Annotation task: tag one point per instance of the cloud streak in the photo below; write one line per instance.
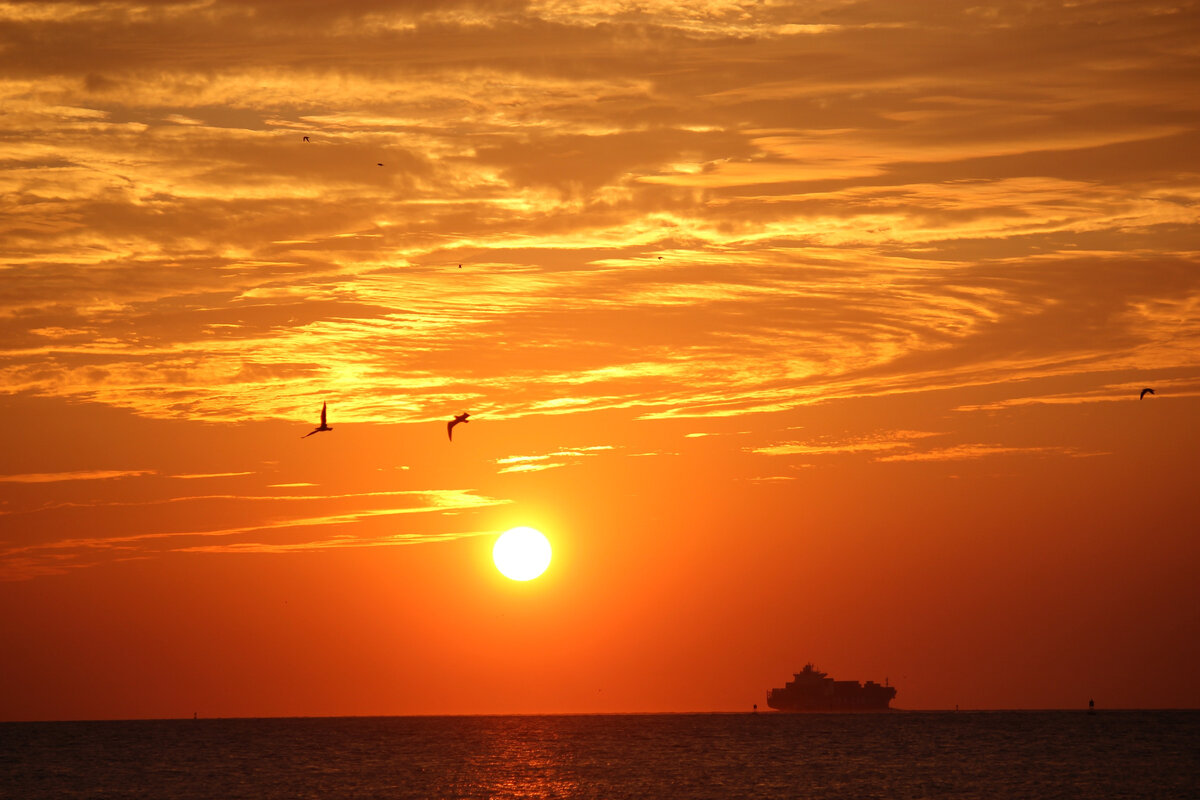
(965, 452)
(56, 554)
(79, 475)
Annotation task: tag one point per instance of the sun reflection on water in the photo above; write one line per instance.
(519, 760)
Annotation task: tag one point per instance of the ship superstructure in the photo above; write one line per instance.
(813, 690)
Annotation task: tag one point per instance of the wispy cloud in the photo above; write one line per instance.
(79, 475)
(891, 440)
(435, 498)
(193, 476)
(56, 555)
(334, 543)
(558, 458)
(963, 452)
(1112, 393)
(896, 446)
(533, 467)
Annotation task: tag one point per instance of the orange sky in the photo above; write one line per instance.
(806, 331)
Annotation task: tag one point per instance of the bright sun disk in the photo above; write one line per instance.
(521, 554)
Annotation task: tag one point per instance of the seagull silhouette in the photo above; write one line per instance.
(321, 427)
(450, 425)
(306, 138)
(1145, 392)
(379, 165)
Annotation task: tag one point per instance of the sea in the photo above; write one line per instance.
(896, 755)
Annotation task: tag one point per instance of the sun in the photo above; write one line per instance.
(521, 554)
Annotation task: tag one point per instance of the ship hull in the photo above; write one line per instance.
(817, 707)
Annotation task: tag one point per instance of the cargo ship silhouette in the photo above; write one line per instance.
(812, 690)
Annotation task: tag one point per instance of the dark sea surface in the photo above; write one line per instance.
(1000, 754)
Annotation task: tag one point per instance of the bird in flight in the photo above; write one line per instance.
(306, 138)
(1145, 392)
(379, 165)
(450, 425)
(321, 427)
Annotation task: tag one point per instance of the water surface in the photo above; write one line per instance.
(680, 756)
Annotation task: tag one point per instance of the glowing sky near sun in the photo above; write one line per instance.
(828, 315)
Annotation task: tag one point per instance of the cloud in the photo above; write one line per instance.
(80, 475)
(211, 475)
(532, 467)
(558, 458)
(1111, 393)
(849, 200)
(333, 543)
(898, 446)
(890, 440)
(37, 553)
(963, 452)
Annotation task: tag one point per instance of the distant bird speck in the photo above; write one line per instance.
(321, 427)
(450, 425)
(306, 138)
(379, 165)
(660, 258)
(1145, 392)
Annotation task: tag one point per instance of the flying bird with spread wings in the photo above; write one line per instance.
(450, 425)
(1145, 392)
(320, 428)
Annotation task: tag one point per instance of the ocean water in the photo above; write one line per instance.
(1114, 754)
